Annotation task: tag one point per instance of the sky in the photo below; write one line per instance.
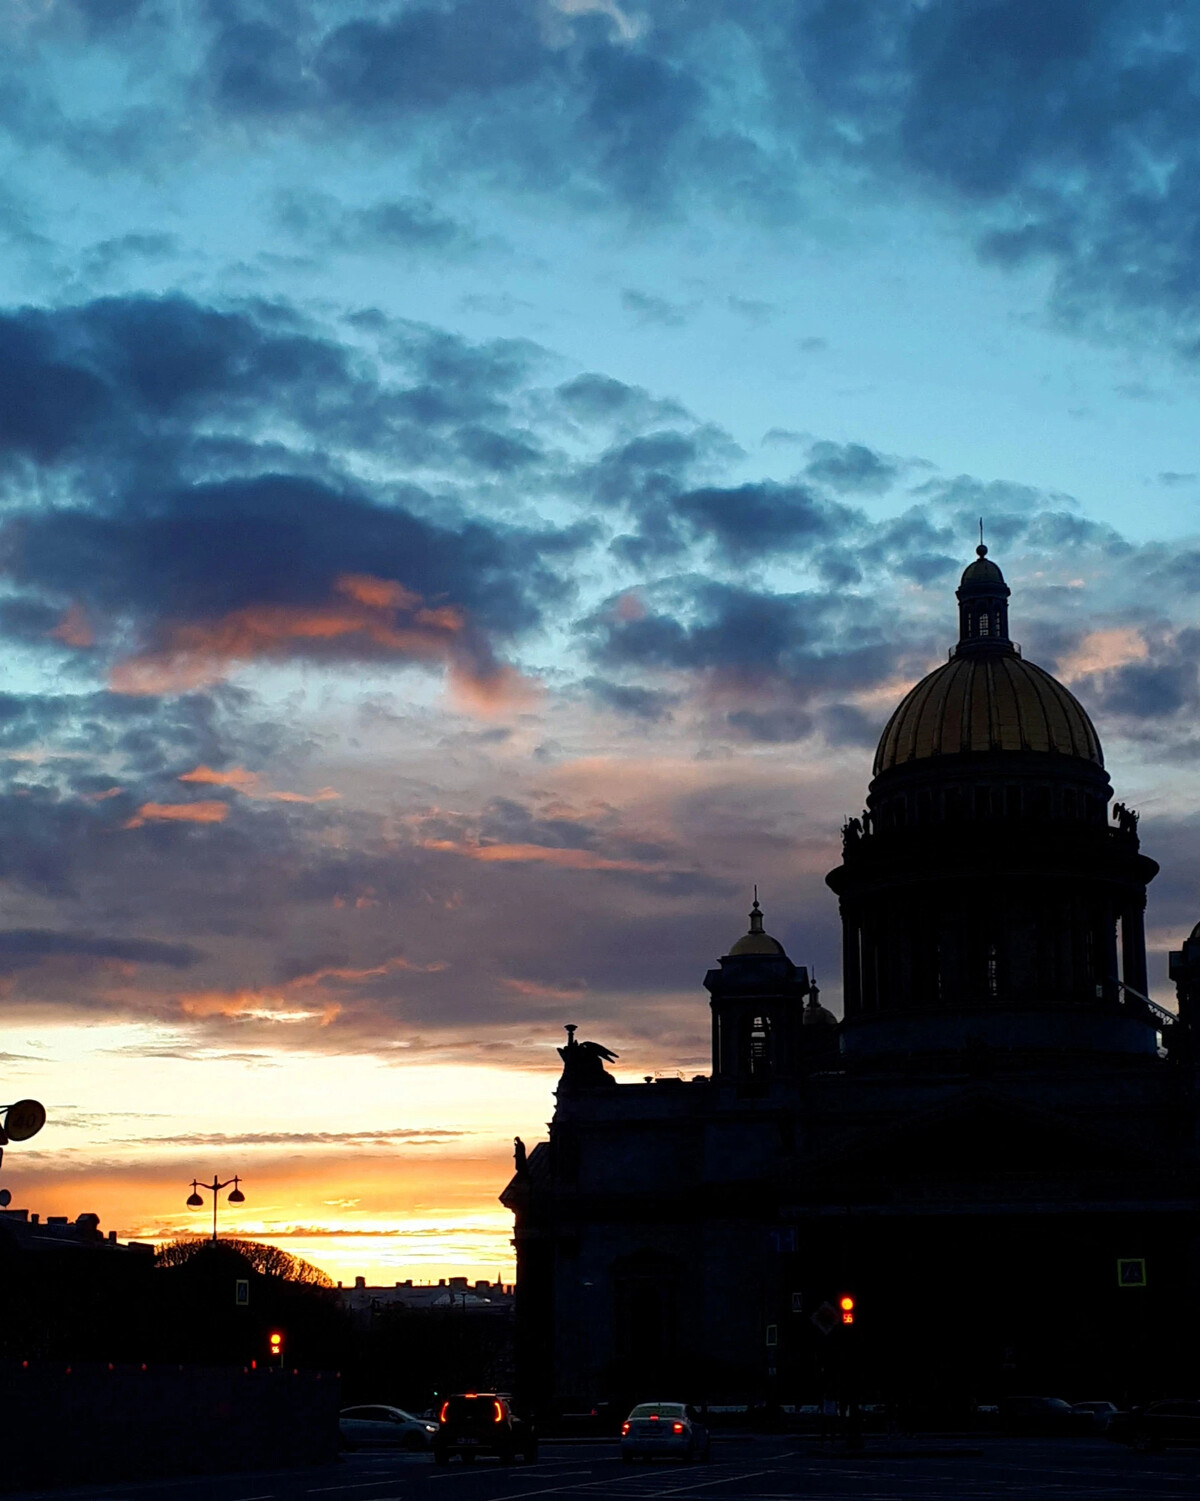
(475, 478)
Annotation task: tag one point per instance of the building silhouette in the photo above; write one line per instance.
(994, 1152)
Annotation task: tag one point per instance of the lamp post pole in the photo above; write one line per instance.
(196, 1202)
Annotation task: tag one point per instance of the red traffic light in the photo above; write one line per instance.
(846, 1304)
(276, 1342)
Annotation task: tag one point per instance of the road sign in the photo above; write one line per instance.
(24, 1119)
(241, 1292)
(1131, 1271)
(772, 1334)
(797, 1302)
(827, 1318)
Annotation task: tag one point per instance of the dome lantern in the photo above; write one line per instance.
(983, 608)
(987, 697)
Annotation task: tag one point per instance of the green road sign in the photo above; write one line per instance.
(1131, 1271)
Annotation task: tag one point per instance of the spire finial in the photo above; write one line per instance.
(756, 917)
(981, 550)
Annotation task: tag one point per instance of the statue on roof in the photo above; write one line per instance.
(583, 1063)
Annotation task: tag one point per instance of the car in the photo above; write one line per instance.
(361, 1427)
(1038, 1415)
(474, 1423)
(1174, 1420)
(1099, 1414)
(671, 1428)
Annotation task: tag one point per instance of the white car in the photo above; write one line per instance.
(671, 1428)
(362, 1427)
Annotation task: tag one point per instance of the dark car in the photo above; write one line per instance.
(1175, 1420)
(475, 1423)
(1099, 1414)
(1041, 1415)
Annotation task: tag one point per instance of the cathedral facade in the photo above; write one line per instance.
(993, 1154)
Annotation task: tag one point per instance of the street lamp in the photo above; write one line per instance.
(194, 1201)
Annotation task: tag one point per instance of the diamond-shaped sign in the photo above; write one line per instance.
(826, 1318)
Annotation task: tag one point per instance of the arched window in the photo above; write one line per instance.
(993, 972)
(985, 627)
(759, 1051)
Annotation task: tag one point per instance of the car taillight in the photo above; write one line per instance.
(624, 1428)
(444, 1411)
(676, 1427)
(497, 1413)
(654, 1417)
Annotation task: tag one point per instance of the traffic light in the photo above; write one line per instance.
(846, 1304)
(275, 1341)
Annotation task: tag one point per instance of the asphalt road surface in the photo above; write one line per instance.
(742, 1469)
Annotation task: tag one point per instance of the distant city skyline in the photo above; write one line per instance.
(477, 475)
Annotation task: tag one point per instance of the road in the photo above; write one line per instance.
(742, 1469)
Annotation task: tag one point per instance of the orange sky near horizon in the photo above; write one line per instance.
(364, 1168)
(388, 1215)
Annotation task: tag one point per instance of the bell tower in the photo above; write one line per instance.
(758, 1011)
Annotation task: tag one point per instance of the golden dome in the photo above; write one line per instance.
(982, 702)
(756, 941)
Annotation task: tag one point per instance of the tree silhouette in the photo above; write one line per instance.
(268, 1261)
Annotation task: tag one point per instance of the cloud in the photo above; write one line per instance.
(745, 639)
(651, 310)
(1061, 134)
(411, 224)
(753, 309)
(772, 726)
(22, 947)
(628, 28)
(360, 619)
(596, 398)
(1056, 137)
(121, 251)
(564, 859)
(545, 992)
(1103, 650)
(850, 467)
(176, 568)
(407, 1135)
(236, 777)
(198, 812)
(250, 784)
(651, 705)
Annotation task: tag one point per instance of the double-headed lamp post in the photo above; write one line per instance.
(196, 1202)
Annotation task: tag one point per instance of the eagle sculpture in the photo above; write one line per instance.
(583, 1063)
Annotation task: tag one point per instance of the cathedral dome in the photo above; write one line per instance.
(986, 697)
(987, 703)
